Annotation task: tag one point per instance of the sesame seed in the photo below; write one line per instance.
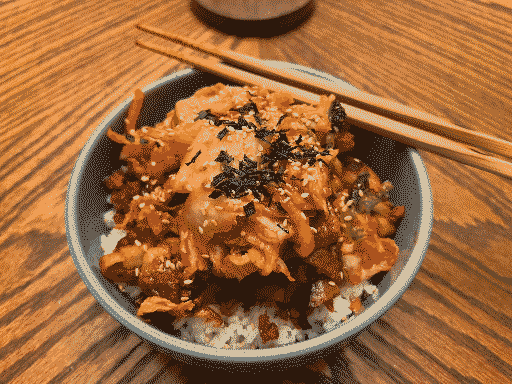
(146, 194)
(349, 203)
(218, 208)
(286, 200)
(361, 193)
(141, 205)
(295, 114)
(184, 298)
(285, 222)
(144, 129)
(172, 266)
(138, 243)
(206, 256)
(243, 233)
(136, 197)
(145, 247)
(303, 215)
(357, 160)
(136, 271)
(153, 182)
(288, 110)
(187, 282)
(314, 229)
(214, 222)
(348, 218)
(305, 194)
(144, 178)
(341, 239)
(153, 163)
(332, 283)
(205, 223)
(165, 221)
(200, 230)
(341, 275)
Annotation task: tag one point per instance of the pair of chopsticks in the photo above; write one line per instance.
(382, 116)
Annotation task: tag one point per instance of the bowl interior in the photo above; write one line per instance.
(86, 204)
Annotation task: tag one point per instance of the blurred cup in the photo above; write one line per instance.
(252, 9)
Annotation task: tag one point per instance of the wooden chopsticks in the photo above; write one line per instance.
(379, 115)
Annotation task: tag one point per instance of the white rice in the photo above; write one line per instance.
(240, 330)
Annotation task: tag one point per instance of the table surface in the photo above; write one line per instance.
(65, 65)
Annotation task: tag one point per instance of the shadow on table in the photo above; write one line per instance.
(333, 367)
(251, 28)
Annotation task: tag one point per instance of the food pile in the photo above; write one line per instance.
(245, 223)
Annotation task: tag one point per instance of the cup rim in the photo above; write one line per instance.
(168, 342)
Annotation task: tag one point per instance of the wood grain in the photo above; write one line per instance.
(66, 65)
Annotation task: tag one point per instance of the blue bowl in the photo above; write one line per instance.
(86, 204)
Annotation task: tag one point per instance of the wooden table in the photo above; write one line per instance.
(66, 64)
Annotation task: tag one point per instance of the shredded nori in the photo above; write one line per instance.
(215, 194)
(224, 157)
(194, 158)
(235, 183)
(222, 133)
(130, 138)
(250, 106)
(281, 119)
(202, 115)
(144, 141)
(249, 209)
(263, 133)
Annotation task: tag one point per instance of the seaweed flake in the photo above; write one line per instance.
(130, 138)
(215, 194)
(263, 133)
(281, 119)
(249, 209)
(194, 158)
(203, 115)
(224, 157)
(250, 106)
(222, 133)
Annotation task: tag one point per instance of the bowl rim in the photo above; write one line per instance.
(171, 343)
